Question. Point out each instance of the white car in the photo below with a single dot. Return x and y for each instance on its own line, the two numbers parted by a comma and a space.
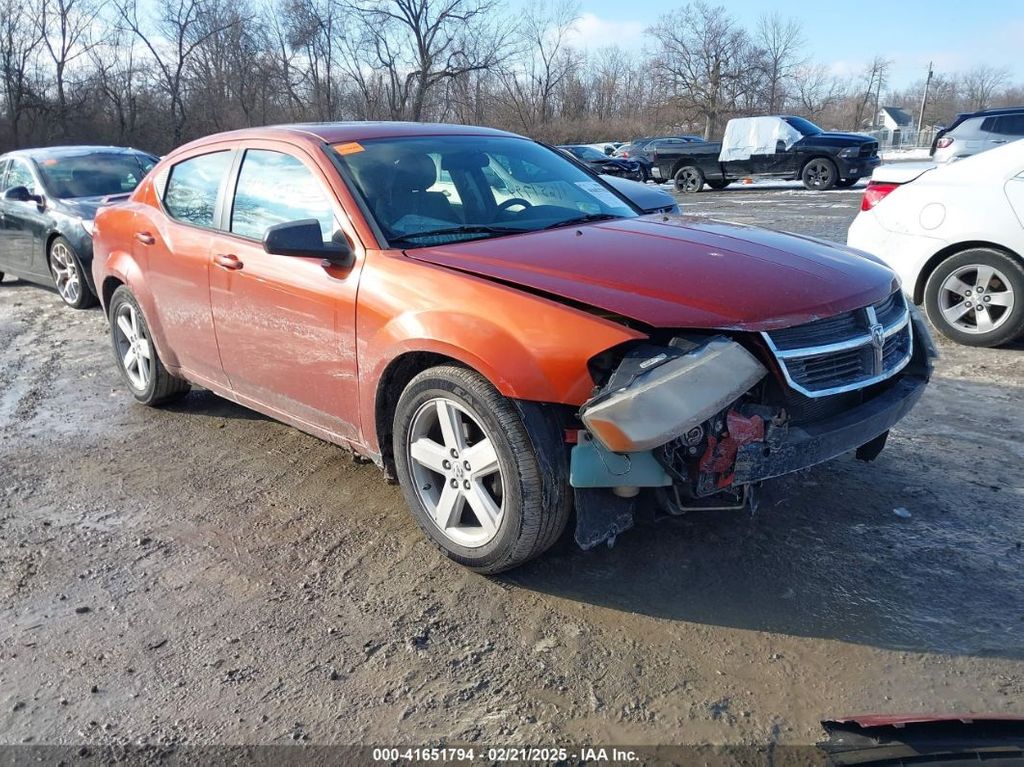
955, 236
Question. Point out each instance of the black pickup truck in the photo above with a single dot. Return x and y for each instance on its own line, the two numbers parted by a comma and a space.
783, 147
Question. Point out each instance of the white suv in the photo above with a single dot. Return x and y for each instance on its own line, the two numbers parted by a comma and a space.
975, 132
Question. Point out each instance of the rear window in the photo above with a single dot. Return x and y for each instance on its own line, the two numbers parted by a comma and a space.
97, 174
193, 186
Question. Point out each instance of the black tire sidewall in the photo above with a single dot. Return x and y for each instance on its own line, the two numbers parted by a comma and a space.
122, 296
85, 294
1008, 265
490, 556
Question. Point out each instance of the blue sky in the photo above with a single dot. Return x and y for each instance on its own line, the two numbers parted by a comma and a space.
845, 35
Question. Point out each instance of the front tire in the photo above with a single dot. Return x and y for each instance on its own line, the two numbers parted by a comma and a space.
68, 275
136, 356
689, 179
819, 174
472, 472
976, 297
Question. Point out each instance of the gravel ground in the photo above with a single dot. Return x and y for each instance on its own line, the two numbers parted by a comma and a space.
204, 575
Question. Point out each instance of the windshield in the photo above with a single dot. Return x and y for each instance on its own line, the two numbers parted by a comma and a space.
433, 190
805, 127
97, 174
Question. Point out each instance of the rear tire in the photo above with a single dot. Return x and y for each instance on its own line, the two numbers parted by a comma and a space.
954, 290
136, 355
689, 179
488, 492
819, 174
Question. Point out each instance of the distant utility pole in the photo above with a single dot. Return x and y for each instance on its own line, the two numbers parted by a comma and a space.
924, 98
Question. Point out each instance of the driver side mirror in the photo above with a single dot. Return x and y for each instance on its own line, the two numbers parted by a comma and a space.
306, 240
21, 194
780, 146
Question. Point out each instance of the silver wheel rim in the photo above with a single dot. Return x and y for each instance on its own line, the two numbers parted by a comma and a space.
133, 348
819, 174
458, 477
976, 299
65, 273
688, 180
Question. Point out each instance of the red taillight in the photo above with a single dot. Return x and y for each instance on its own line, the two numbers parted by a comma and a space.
875, 193
943, 142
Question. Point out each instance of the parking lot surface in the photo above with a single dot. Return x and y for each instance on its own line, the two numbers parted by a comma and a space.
201, 574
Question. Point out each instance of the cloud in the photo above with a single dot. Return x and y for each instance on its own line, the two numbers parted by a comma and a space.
593, 32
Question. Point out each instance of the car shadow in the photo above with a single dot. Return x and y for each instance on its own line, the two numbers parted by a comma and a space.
920, 550
205, 404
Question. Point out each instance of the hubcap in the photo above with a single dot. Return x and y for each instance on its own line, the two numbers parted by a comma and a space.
65, 273
976, 299
456, 470
133, 348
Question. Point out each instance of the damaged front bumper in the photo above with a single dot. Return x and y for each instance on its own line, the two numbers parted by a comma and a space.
716, 448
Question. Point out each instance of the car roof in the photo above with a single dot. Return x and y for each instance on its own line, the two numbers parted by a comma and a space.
340, 132
56, 152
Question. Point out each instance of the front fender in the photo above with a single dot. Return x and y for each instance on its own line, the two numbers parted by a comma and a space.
529, 347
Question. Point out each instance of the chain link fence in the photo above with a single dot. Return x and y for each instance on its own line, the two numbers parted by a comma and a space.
903, 139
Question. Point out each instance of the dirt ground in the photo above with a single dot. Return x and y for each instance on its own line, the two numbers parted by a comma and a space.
204, 575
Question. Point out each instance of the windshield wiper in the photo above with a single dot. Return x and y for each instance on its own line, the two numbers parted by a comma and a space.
582, 219
462, 229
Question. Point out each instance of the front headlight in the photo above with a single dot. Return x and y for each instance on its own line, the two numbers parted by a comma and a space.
850, 151
88, 226
665, 395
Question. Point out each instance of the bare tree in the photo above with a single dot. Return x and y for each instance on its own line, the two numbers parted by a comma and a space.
66, 28
817, 90
981, 84
423, 44
699, 59
873, 80
780, 42
172, 42
19, 37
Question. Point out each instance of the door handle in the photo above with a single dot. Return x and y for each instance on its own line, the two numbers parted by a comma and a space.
145, 238
227, 261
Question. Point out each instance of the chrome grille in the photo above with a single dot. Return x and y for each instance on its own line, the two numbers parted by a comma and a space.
845, 352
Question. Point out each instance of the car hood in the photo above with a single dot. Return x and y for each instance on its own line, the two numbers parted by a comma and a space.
677, 272
838, 139
85, 207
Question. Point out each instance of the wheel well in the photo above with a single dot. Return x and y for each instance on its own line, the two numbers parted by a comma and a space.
392, 383
816, 157
951, 250
682, 163
110, 284
49, 244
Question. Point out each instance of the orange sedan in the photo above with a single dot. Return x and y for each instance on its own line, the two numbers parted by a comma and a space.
498, 327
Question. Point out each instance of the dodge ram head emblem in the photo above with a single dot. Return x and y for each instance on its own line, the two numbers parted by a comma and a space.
877, 331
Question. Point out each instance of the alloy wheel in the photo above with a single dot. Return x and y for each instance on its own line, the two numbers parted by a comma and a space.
819, 174
65, 273
688, 180
976, 299
133, 348
458, 475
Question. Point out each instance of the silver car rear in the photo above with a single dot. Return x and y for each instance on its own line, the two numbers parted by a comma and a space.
977, 134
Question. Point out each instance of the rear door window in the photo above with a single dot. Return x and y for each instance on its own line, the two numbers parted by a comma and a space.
193, 187
1009, 125
276, 188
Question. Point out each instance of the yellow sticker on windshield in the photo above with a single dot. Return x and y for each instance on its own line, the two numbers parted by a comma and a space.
350, 148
